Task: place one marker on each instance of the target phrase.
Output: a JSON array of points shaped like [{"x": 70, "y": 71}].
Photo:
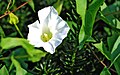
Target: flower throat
[{"x": 46, "y": 35}]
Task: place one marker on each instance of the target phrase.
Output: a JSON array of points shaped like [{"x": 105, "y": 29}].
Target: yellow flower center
[{"x": 46, "y": 35}]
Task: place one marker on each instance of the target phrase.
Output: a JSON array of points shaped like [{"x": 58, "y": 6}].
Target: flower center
[{"x": 46, "y": 36}]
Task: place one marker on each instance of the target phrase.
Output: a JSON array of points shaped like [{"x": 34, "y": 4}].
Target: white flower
[{"x": 49, "y": 31}]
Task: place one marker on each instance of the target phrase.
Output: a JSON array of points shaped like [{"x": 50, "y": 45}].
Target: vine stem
[
  {"x": 6, "y": 58},
  {"x": 8, "y": 5},
  {"x": 96, "y": 56},
  {"x": 100, "y": 60},
  {"x": 15, "y": 9},
  {"x": 18, "y": 30}
]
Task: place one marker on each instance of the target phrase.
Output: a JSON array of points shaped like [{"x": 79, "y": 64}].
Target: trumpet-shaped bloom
[{"x": 49, "y": 31}]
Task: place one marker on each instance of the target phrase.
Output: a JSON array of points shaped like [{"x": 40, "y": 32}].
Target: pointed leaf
[
  {"x": 115, "y": 54},
  {"x": 58, "y": 6},
  {"x": 2, "y": 32},
  {"x": 117, "y": 65},
  {"x": 105, "y": 71},
  {"x": 19, "y": 69},
  {"x": 110, "y": 19},
  {"x": 103, "y": 50},
  {"x": 87, "y": 23},
  {"x": 111, "y": 40},
  {"x": 13, "y": 2},
  {"x": 4, "y": 71},
  {"x": 31, "y": 3}
]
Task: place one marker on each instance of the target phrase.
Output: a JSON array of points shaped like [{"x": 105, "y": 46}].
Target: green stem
[
  {"x": 18, "y": 57},
  {"x": 18, "y": 30},
  {"x": 108, "y": 14}
]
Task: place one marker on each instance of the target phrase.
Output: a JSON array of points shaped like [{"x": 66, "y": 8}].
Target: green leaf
[
  {"x": 81, "y": 7},
  {"x": 31, "y": 3},
  {"x": 21, "y": 55},
  {"x": 111, "y": 40},
  {"x": 38, "y": 54},
  {"x": 13, "y": 19},
  {"x": 71, "y": 25},
  {"x": 115, "y": 54},
  {"x": 90, "y": 39},
  {"x": 105, "y": 71},
  {"x": 2, "y": 32},
  {"x": 88, "y": 22},
  {"x": 110, "y": 19},
  {"x": 13, "y": 2},
  {"x": 19, "y": 69},
  {"x": 117, "y": 65},
  {"x": 7, "y": 43},
  {"x": 101, "y": 47},
  {"x": 90, "y": 16},
  {"x": 58, "y": 6},
  {"x": 34, "y": 55},
  {"x": 4, "y": 71},
  {"x": 81, "y": 10}
]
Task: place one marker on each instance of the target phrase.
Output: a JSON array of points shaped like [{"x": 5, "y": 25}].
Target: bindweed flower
[{"x": 49, "y": 31}]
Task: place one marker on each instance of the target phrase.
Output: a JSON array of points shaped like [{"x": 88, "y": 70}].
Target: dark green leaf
[
  {"x": 109, "y": 18},
  {"x": 2, "y": 32},
  {"x": 87, "y": 23},
  {"x": 105, "y": 71},
  {"x": 111, "y": 40},
  {"x": 117, "y": 65},
  {"x": 71, "y": 25},
  {"x": 115, "y": 54},
  {"x": 13, "y": 2}
]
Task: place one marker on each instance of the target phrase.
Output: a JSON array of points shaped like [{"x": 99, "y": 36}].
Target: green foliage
[
  {"x": 4, "y": 71},
  {"x": 34, "y": 54},
  {"x": 88, "y": 19},
  {"x": 92, "y": 46},
  {"x": 31, "y": 3},
  {"x": 13, "y": 2},
  {"x": 58, "y": 6},
  {"x": 19, "y": 70},
  {"x": 105, "y": 71},
  {"x": 103, "y": 50}
]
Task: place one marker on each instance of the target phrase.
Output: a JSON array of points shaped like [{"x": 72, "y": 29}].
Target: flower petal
[
  {"x": 55, "y": 42},
  {"x": 62, "y": 32},
  {"x": 35, "y": 24},
  {"x": 34, "y": 34},
  {"x": 43, "y": 14},
  {"x": 48, "y": 47},
  {"x": 53, "y": 19},
  {"x": 59, "y": 36}
]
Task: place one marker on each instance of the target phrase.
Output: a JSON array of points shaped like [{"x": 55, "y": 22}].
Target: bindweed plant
[{"x": 59, "y": 37}]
